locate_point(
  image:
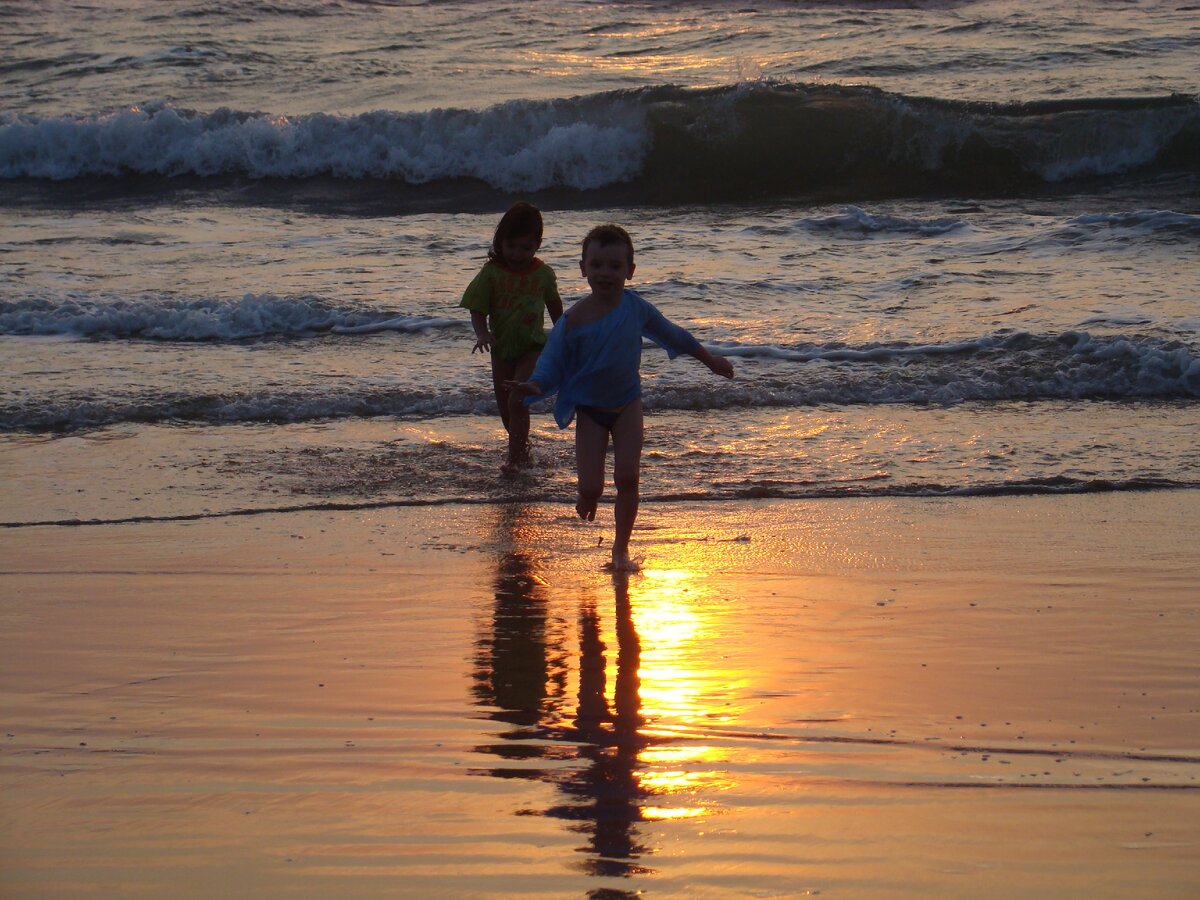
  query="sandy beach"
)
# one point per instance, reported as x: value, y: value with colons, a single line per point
x: 898, y: 697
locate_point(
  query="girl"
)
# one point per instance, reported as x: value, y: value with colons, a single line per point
x: 508, y: 300
x: 592, y: 360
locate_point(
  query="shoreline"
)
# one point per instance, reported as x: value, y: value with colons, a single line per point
x: 188, y: 472
x: 1011, y: 491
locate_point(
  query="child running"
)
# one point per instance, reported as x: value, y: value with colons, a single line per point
x: 508, y: 300
x: 592, y: 359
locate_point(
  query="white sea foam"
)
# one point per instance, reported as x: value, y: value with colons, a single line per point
x: 1068, y: 144
x: 519, y: 145
x: 871, y: 353
x: 170, y: 318
x: 1142, y: 221
x: 852, y: 219
x: 1006, y: 367
x: 752, y: 136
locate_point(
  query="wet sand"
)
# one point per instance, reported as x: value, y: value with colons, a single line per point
x: 872, y: 698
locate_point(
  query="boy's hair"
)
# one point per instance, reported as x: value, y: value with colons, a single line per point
x: 521, y: 219
x: 606, y: 236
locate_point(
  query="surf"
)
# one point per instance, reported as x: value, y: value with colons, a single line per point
x: 662, y: 144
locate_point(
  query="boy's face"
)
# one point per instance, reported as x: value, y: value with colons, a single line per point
x: 606, y: 268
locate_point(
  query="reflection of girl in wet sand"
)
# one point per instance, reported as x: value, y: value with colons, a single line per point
x: 518, y: 665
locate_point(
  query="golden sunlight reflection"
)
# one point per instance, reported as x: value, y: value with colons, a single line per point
x: 608, y: 701
x: 679, y: 679
x: 563, y: 64
x: 678, y: 755
x: 637, y: 50
x: 662, y: 813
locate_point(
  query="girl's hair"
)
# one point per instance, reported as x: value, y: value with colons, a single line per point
x: 521, y: 219
x: 606, y: 236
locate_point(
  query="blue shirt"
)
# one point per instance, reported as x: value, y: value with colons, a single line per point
x: 598, y: 363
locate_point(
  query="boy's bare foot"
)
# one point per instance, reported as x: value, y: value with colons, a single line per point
x: 623, y: 562
x: 586, y: 509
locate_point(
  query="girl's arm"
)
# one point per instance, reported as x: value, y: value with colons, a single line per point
x: 554, y: 307
x: 554, y: 301
x: 550, y: 369
x: 483, y: 337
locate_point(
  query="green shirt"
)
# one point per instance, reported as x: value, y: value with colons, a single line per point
x: 515, y: 304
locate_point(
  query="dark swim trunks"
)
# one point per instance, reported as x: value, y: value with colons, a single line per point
x: 605, y: 418
x: 516, y: 349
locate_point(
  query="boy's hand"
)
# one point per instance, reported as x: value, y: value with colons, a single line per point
x: 525, y: 388
x: 483, y: 343
x: 721, y: 366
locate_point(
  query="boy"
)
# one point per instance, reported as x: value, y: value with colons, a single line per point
x: 592, y: 359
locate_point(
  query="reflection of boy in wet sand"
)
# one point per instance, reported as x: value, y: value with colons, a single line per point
x: 592, y: 360
x: 609, y: 794
x: 521, y: 670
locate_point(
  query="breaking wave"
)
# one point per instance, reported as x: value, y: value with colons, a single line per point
x: 751, y: 140
x: 167, y: 318
x: 1016, y: 366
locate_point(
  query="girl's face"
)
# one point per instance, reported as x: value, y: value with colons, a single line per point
x: 606, y: 269
x: 519, y: 249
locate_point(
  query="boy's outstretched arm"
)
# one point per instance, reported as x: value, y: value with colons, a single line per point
x: 718, y: 364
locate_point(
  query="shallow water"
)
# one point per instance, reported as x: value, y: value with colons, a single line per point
x: 848, y: 243
x: 915, y: 347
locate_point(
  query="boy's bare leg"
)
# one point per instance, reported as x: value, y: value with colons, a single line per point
x: 627, y: 435
x: 517, y: 420
x: 591, y: 444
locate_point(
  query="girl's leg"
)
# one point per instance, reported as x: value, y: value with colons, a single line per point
x: 518, y: 416
x: 591, y: 444
x: 627, y: 435
x: 502, y: 371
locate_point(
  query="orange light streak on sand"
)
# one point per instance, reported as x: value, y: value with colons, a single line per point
x: 679, y: 685
x: 659, y: 813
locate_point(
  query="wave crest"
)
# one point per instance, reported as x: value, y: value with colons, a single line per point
x: 734, y: 142
x: 1016, y: 367
x: 518, y: 146
x: 164, y: 318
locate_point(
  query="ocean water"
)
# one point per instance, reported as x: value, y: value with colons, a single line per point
x: 951, y: 248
